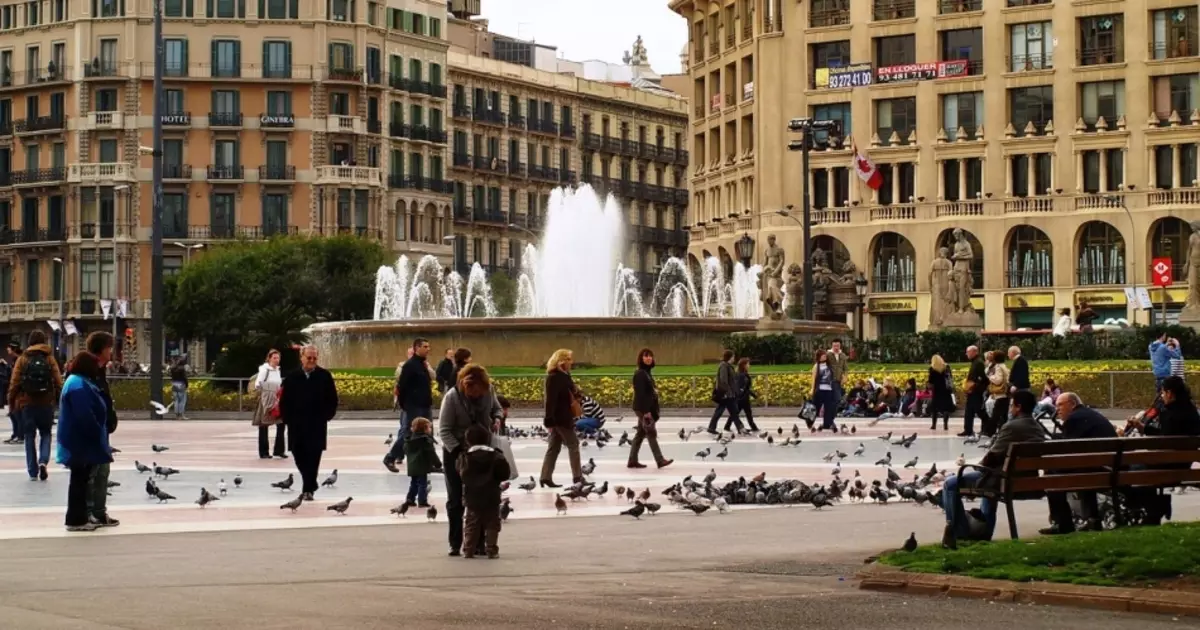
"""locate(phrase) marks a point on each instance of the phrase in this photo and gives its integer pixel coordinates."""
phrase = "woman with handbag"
(562, 408)
(823, 395)
(998, 386)
(472, 401)
(645, 409)
(745, 387)
(941, 381)
(266, 413)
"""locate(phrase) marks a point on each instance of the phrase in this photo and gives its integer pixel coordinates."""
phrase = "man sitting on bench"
(1021, 427)
(1079, 423)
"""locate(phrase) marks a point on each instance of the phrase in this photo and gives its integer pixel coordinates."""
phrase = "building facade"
(1060, 135)
(273, 124)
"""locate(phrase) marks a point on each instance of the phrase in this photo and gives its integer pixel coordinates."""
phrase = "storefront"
(893, 315)
(1176, 297)
(1109, 305)
(977, 304)
(1030, 311)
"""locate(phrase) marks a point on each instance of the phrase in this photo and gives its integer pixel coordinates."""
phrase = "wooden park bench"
(1103, 465)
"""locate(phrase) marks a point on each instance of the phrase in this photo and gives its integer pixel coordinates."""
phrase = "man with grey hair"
(1018, 375)
(976, 389)
(307, 404)
(1078, 423)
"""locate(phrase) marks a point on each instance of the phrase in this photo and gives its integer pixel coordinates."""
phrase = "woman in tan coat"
(562, 408)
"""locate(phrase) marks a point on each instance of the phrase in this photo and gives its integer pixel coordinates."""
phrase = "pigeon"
(600, 492)
(961, 461)
(886, 460)
(158, 449)
(142, 468)
(759, 478)
(286, 484)
(164, 471)
(505, 510)
(886, 438)
(704, 454)
(625, 439)
(723, 454)
(711, 476)
(114, 484)
(862, 448)
(237, 481)
(629, 494)
(388, 441)
(820, 499)
(560, 506)
(636, 511)
(205, 498)
(910, 545)
(653, 508)
(221, 487)
(151, 487)
(160, 408)
(589, 467)
(341, 506)
(528, 487)
(293, 504)
(431, 513)
(162, 497)
(683, 436)
(912, 463)
(770, 440)
(400, 510)
(645, 495)
(697, 508)
(853, 429)
(331, 480)
(721, 504)
(827, 457)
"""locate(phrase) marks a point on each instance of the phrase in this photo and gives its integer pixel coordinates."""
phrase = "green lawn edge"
(1130, 556)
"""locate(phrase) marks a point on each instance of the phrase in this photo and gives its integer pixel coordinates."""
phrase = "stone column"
(962, 180)
(1008, 178)
(1031, 169)
(1175, 170)
(1103, 170)
(896, 184)
(941, 167)
(1152, 167)
(1079, 171)
(830, 195)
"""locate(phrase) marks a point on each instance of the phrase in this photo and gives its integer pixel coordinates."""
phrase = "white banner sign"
(69, 327)
(106, 307)
(122, 308)
(53, 324)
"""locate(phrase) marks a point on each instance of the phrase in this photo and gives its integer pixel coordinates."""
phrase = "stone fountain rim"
(567, 323)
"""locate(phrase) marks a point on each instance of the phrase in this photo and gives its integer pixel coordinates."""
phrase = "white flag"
(53, 324)
(106, 307)
(122, 308)
(69, 327)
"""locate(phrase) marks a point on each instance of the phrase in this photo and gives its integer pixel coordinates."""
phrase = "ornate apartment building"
(273, 124)
(1060, 134)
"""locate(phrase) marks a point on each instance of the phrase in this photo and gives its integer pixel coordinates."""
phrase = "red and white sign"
(866, 171)
(1160, 270)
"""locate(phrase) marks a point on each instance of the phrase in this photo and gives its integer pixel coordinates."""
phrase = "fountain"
(571, 291)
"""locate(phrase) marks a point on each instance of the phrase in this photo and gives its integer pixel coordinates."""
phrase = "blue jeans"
(179, 392)
(952, 504)
(407, 415)
(588, 425)
(38, 420)
(418, 489)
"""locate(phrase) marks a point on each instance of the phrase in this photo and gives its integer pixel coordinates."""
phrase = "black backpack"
(36, 376)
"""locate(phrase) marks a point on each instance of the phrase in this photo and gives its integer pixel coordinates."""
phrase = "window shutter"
(267, 66)
(183, 47)
(287, 57)
(241, 8)
(208, 11)
(237, 58)
(294, 9)
(408, 21)
(262, 9)
(214, 54)
(190, 10)
(435, 73)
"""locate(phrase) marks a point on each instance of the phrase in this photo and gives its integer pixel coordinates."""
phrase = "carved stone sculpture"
(771, 279)
(942, 302)
(963, 279)
(1190, 315)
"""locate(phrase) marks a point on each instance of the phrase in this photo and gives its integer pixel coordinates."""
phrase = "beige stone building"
(274, 123)
(519, 131)
(1061, 135)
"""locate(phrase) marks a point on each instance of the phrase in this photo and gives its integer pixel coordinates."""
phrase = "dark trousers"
(826, 401)
(98, 491)
(14, 417)
(418, 490)
(1060, 508)
(975, 408)
(744, 406)
(39, 424)
(635, 447)
(308, 464)
(730, 405)
(77, 495)
(410, 413)
(264, 443)
(998, 418)
(454, 497)
(482, 530)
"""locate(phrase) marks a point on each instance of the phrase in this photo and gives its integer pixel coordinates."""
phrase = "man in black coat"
(977, 382)
(1018, 375)
(1079, 423)
(414, 396)
(446, 372)
(309, 401)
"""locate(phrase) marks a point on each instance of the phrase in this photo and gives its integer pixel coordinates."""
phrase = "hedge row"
(1122, 390)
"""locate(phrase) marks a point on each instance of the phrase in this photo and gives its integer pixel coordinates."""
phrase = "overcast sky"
(594, 29)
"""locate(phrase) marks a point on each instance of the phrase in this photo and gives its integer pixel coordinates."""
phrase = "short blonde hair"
(422, 425)
(937, 363)
(560, 355)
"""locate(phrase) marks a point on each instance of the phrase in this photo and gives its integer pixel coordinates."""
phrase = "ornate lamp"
(745, 249)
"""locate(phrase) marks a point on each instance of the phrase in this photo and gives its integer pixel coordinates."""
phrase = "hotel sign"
(277, 120)
(922, 71)
(1018, 301)
(177, 119)
(892, 305)
(851, 76)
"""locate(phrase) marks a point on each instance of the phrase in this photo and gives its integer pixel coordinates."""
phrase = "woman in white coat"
(267, 383)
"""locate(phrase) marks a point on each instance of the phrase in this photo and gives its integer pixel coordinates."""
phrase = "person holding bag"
(471, 402)
(998, 387)
(267, 383)
(645, 408)
(562, 408)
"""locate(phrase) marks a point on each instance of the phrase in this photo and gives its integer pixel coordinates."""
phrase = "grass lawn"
(709, 370)
(1130, 556)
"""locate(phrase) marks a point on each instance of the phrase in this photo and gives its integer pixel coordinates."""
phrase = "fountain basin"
(529, 341)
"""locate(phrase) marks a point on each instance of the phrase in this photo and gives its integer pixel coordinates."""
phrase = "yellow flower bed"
(1096, 386)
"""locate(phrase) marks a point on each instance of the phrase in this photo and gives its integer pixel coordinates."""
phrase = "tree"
(323, 279)
(504, 293)
(279, 326)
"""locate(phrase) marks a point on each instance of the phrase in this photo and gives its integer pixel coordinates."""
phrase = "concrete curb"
(877, 577)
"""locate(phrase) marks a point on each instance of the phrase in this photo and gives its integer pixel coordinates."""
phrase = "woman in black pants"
(745, 386)
(267, 383)
(82, 436)
(942, 383)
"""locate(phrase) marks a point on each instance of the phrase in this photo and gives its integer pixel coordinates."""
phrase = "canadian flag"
(866, 170)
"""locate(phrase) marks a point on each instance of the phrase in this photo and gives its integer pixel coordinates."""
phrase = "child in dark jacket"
(422, 459)
(482, 468)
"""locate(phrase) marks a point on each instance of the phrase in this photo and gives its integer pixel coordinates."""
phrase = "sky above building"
(594, 29)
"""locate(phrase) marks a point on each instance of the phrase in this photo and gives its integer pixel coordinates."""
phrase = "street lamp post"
(860, 290)
(116, 258)
(805, 127)
(745, 249)
(450, 238)
(156, 264)
(187, 251)
(62, 304)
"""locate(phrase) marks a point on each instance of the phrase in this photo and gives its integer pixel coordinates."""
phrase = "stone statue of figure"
(821, 273)
(963, 280)
(795, 287)
(1192, 306)
(639, 57)
(771, 279)
(849, 274)
(942, 303)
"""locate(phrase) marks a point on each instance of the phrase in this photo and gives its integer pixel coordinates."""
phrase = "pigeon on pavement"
(341, 506)
(910, 545)
(286, 484)
(636, 511)
(331, 480)
(293, 504)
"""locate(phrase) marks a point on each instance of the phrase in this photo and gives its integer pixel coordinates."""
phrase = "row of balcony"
(838, 14)
(413, 182)
(33, 125)
(639, 190)
(634, 149)
(493, 116)
(498, 166)
(115, 172)
(417, 132)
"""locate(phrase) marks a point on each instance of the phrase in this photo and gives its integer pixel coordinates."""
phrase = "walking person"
(179, 387)
(998, 388)
(745, 387)
(823, 392)
(942, 383)
(646, 410)
(562, 407)
(725, 394)
(840, 364)
(446, 371)
(414, 397)
(32, 390)
(1163, 351)
(975, 388)
(11, 353)
(470, 403)
(422, 460)
(482, 469)
(1018, 375)
(308, 402)
(100, 344)
(82, 436)
(266, 382)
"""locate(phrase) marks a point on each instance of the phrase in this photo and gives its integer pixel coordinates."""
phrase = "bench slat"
(1103, 460)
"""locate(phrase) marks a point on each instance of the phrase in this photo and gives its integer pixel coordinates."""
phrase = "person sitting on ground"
(1050, 393)
(856, 400)
(887, 402)
(482, 469)
(924, 398)
(593, 416)
(1079, 423)
(908, 401)
(1019, 429)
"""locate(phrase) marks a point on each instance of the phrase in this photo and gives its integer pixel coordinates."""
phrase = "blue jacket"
(1160, 358)
(82, 429)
